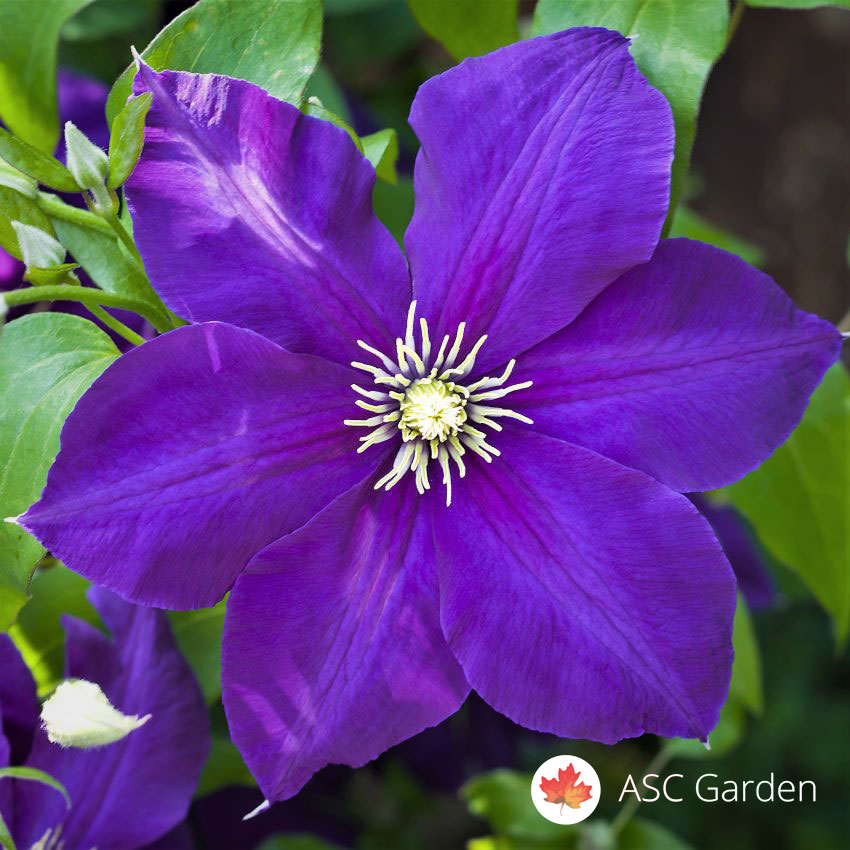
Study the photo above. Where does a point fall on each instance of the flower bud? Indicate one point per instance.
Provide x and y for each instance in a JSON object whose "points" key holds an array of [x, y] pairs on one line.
{"points": [[85, 160], [39, 250], [78, 714]]}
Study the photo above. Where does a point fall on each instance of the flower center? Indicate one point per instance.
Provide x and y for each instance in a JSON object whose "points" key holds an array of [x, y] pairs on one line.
{"points": [[432, 409], [427, 399]]}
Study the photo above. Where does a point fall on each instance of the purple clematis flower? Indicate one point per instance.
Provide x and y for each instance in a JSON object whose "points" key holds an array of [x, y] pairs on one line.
{"points": [[559, 375], [130, 793]]}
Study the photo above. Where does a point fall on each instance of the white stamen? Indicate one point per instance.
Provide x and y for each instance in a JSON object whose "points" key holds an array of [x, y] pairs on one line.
{"points": [[52, 840], [390, 366], [453, 352], [429, 408], [426, 339], [441, 353], [374, 395], [494, 394], [484, 383], [374, 408], [374, 370]]}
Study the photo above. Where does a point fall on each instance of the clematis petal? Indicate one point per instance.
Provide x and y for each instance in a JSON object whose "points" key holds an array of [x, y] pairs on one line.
{"points": [[188, 456], [247, 211], [582, 597], [693, 368], [18, 702], [332, 647], [544, 174], [131, 792]]}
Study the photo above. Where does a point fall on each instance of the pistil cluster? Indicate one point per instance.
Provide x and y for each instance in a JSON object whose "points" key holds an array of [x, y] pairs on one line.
{"points": [[424, 396]]}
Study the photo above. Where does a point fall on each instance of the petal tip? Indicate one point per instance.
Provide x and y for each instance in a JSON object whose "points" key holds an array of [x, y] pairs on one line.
{"points": [[144, 72]]}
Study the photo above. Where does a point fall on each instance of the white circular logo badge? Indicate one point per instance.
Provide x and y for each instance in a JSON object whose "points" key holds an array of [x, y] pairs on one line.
{"points": [[565, 789]]}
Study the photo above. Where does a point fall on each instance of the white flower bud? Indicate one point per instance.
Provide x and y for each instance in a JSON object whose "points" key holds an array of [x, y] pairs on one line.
{"points": [[38, 249], [85, 160], [78, 714]]}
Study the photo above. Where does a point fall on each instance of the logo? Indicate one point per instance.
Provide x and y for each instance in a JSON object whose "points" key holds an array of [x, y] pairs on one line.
{"points": [[565, 789]]}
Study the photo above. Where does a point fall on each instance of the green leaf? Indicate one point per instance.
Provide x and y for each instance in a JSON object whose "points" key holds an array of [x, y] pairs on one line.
{"points": [[468, 27], [381, 149], [746, 686], [126, 139], [47, 360], [640, 834], [503, 799], [31, 774], [102, 257], [17, 207], [798, 501], [273, 43], [675, 45], [40, 166], [29, 36], [689, 225], [198, 634], [38, 632]]}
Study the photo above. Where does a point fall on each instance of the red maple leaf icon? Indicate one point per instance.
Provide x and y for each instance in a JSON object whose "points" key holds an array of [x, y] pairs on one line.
{"points": [[564, 789]]}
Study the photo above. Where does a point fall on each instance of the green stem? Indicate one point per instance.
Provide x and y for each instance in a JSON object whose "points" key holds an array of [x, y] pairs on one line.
{"points": [[119, 327], [87, 296], [57, 208], [631, 805]]}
